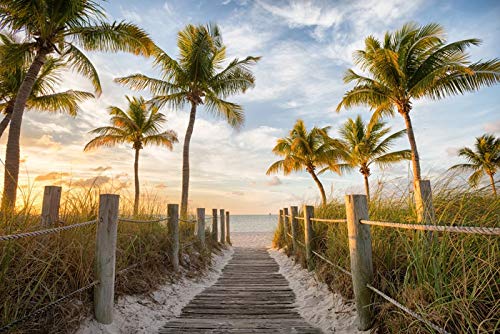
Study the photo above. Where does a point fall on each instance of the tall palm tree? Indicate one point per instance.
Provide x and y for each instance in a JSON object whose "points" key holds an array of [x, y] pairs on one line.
{"points": [[305, 150], [364, 145], [139, 125], [483, 159], [413, 63], [61, 26], [43, 97], [197, 77]]}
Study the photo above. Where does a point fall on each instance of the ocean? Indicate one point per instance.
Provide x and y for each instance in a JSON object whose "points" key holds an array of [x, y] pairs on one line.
{"points": [[253, 223]]}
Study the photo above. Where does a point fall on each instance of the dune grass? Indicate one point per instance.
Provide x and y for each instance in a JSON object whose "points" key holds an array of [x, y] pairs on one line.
{"points": [[452, 280], [38, 270]]}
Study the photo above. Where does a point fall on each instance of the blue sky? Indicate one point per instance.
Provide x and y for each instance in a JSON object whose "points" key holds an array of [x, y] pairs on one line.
{"points": [[306, 46]]}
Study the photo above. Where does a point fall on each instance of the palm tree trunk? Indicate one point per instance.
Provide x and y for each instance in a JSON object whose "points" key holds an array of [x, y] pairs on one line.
{"points": [[136, 178], [11, 174], [8, 114], [367, 187], [185, 161], [320, 186], [413, 145], [492, 180]]}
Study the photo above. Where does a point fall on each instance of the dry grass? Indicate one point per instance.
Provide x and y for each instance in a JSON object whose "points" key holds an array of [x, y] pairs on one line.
{"points": [[37, 271], [453, 281]]}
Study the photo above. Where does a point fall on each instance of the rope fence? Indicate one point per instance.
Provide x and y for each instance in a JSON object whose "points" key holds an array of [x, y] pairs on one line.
{"points": [[407, 310], [45, 308], [135, 221], [439, 228], [46, 231], [324, 220], [332, 264]]}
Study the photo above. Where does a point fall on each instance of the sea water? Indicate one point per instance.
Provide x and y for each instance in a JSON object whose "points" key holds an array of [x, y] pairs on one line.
{"points": [[253, 223]]}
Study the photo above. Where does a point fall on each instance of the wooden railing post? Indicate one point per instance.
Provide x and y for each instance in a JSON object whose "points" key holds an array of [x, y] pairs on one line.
{"points": [[228, 230], [280, 221], [173, 232], [105, 258], [308, 234], [286, 223], [423, 202], [200, 225], [215, 228], [360, 249], [294, 212], [222, 227], [50, 205]]}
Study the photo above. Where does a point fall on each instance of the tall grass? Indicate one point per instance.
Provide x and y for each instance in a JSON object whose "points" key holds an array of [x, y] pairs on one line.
{"points": [[36, 271], [451, 279]]}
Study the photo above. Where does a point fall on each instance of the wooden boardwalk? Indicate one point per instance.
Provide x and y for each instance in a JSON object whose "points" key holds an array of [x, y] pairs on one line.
{"points": [[249, 297]]}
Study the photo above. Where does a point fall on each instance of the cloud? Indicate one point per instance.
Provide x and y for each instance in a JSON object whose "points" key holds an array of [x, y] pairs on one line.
{"points": [[161, 186], [51, 176], [451, 151], [89, 182], [101, 168], [275, 181], [238, 193], [492, 127]]}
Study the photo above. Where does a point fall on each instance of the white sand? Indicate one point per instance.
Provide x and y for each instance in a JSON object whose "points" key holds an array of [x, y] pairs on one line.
{"points": [[148, 313]]}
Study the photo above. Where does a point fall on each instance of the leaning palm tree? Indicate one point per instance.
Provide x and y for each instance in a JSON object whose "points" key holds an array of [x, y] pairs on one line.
{"points": [[413, 63], [483, 159], [305, 150], [140, 126], [197, 77], [364, 145], [43, 97], [61, 26]]}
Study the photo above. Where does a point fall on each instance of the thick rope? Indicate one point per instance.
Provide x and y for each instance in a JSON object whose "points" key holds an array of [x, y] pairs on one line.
{"points": [[46, 307], [127, 220], [440, 228], [300, 218], [187, 221], [324, 220], [407, 310], [332, 264], [44, 232]]}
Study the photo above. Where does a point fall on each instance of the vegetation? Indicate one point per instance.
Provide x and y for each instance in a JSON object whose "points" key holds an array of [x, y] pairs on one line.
{"points": [[364, 144], [39, 270], [43, 97], [413, 63], [197, 77], [139, 125], [62, 27], [307, 150], [484, 160], [452, 282]]}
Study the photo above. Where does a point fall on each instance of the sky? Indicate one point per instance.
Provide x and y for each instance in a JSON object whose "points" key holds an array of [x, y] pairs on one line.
{"points": [[306, 47]]}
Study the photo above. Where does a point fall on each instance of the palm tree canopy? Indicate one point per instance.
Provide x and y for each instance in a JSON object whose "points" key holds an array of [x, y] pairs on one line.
{"points": [[483, 158], [365, 144], [304, 149], [199, 75], [44, 96], [412, 63], [139, 125], [65, 26]]}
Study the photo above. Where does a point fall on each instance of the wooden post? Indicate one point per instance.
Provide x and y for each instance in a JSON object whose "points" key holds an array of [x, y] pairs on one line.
{"points": [[228, 231], [50, 205], [423, 202], [222, 227], [105, 258], [280, 222], [294, 212], [286, 222], [360, 249], [215, 231], [173, 232], [200, 225], [308, 234]]}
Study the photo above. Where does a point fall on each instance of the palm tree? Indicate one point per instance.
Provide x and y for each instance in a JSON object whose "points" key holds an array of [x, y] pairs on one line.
{"points": [[140, 126], [305, 150], [364, 145], [413, 63], [43, 97], [197, 77], [61, 26], [485, 159]]}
